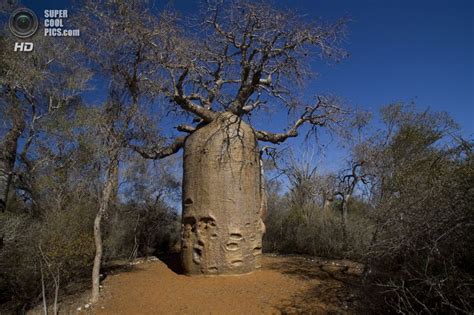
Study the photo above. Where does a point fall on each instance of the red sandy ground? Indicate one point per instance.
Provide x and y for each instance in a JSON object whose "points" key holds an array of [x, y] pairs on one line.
{"points": [[284, 285]]}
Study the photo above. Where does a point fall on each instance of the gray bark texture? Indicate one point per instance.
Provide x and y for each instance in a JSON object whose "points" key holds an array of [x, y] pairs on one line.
{"points": [[107, 195], [8, 149], [6, 168], [223, 198]]}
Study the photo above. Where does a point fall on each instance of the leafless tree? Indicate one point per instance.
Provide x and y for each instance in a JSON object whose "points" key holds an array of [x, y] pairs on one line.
{"points": [[248, 56], [122, 54], [347, 182], [32, 85], [245, 58]]}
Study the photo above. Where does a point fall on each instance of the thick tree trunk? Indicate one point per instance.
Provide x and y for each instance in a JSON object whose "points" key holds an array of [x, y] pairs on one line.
{"points": [[6, 168], [8, 149], [222, 199], [107, 195]]}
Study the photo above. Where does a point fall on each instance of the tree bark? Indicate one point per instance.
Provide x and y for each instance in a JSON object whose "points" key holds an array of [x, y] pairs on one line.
{"points": [[222, 199], [8, 153], [327, 206], [344, 219], [107, 195]]}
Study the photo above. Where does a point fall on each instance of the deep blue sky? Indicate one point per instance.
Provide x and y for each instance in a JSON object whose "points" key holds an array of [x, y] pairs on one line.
{"points": [[401, 50], [405, 50]]}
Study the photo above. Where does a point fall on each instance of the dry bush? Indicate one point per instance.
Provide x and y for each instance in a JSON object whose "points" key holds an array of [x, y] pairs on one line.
{"points": [[412, 227], [139, 230], [289, 231], [59, 244], [422, 257], [66, 241], [421, 252], [19, 275]]}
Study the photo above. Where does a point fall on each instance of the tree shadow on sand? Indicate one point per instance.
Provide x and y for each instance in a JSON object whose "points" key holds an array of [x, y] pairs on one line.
{"points": [[173, 261], [334, 285]]}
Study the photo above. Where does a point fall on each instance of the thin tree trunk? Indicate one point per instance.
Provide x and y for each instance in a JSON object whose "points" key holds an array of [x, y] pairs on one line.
{"points": [[56, 292], [344, 220], [107, 193], [134, 253], [43, 291]]}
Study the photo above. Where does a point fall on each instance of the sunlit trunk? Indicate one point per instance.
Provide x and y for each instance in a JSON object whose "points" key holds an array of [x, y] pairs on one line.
{"points": [[107, 195], [222, 199]]}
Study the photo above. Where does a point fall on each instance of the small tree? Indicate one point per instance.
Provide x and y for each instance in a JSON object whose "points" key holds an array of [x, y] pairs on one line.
{"points": [[347, 182], [121, 54]]}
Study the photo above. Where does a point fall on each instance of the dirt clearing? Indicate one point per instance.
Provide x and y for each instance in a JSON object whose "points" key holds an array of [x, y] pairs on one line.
{"points": [[284, 285]]}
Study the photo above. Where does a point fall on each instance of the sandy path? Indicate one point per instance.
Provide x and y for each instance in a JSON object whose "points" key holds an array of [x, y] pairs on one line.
{"points": [[288, 285]]}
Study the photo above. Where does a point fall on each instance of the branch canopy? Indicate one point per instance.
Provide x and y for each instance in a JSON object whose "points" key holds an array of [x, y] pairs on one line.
{"points": [[245, 56]]}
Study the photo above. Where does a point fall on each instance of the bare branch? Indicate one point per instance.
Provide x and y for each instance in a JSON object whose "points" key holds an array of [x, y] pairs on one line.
{"points": [[245, 49], [186, 128], [185, 101], [325, 112], [161, 152]]}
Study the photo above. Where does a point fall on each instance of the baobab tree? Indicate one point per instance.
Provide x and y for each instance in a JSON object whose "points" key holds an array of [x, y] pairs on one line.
{"points": [[247, 57]]}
